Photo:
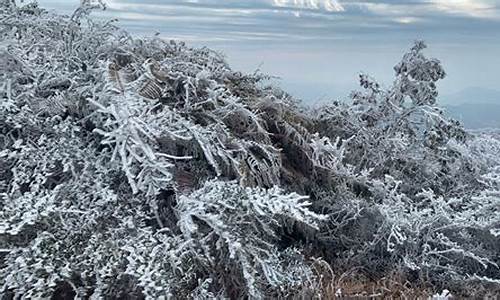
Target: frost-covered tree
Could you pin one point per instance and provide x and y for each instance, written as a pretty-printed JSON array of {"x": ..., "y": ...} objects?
[
  {"x": 424, "y": 198},
  {"x": 400, "y": 131}
]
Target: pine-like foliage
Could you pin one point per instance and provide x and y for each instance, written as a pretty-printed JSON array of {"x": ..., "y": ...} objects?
[{"x": 145, "y": 168}]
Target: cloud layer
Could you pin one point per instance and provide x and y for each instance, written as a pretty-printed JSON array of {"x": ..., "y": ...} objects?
[
  {"x": 312, "y": 20},
  {"x": 314, "y": 43}
]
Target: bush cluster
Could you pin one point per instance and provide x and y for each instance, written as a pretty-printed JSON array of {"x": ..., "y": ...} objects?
[{"x": 143, "y": 168}]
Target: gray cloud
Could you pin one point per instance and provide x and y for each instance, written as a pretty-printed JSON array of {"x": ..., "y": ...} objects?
[
  {"x": 315, "y": 21},
  {"x": 290, "y": 20},
  {"x": 314, "y": 43}
]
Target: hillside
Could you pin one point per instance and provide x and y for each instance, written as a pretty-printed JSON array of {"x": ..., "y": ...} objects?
[
  {"x": 476, "y": 115},
  {"x": 472, "y": 95},
  {"x": 474, "y": 107},
  {"x": 144, "y": 168}
]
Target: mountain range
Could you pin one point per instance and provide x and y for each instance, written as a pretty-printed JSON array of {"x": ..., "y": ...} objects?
[{"x": 474, "y": 107}]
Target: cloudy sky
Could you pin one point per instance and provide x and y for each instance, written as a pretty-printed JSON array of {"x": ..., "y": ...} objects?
[{"x": 317, "y": 47}]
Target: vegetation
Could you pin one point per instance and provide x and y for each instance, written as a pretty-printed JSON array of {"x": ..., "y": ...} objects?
[{"x": 141, "y": 168}]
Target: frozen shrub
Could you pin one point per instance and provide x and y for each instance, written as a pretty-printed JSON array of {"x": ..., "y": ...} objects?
[{"x": 145, "y": 168}]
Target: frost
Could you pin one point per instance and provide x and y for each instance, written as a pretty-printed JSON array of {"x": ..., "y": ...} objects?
[
  {"x": 142, "y": 168},
  {"x": 444, "y": 295}
]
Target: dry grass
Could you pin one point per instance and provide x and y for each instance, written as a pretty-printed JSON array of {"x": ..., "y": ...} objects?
[
  {"x": 355, "y": 285},
  {"x": 390, "y": 287}
]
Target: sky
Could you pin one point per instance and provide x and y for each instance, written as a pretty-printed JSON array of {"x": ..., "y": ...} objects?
[{"x": 317, "y": 48}]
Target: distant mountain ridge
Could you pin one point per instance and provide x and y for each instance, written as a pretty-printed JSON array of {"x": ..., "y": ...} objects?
[
  {"x": 474, "y": 107},
  {"x": 472, "y": 95}
]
